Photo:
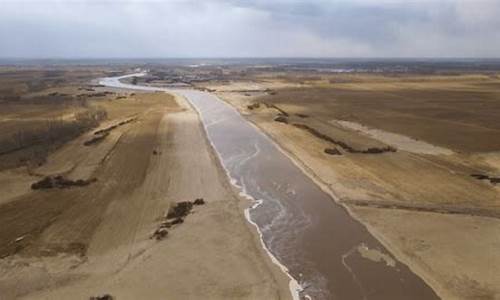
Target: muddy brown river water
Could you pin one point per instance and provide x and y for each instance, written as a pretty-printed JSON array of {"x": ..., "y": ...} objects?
[{"x": 326, "y": 251}]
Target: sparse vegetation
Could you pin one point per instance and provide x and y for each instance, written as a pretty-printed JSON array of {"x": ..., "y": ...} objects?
[
  {"x": 50, "y": 182},
  {"x": 492, "y": 180},
  {"x": 281, "y": 119},
  {"x": 175, "y": 216},
  {"x": 96, "y": 139},
  {"x": 253, "y": 106},
  {"x": 344, "y": 145},
  {"x": 332, "y": 151}
]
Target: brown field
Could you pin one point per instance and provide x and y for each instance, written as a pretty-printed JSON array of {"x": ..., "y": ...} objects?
[
  {"x": 43, "y": 109},
  {"x": 420, "y": 201},
  {"x": 426, "y": 110}
]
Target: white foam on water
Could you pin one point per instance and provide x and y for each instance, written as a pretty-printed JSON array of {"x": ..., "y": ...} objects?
[{"x": 294, "y": 286}]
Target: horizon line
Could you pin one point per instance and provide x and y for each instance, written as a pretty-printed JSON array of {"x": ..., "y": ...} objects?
[{"x": 253, "y": 57}]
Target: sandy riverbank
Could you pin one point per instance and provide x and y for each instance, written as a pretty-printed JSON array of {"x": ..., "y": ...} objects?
[{"x": 96, "y": 239}]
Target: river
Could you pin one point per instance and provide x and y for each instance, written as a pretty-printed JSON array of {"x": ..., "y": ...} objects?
[{"x": 327, "y": 253}]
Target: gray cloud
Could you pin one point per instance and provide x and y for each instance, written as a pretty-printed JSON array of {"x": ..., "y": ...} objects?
[{"x": 233, "y": 28}]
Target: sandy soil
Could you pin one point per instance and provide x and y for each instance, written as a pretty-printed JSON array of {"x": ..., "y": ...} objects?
[
  {"x": 80, "y": 242},
  {"x": 424, "y": 207},
  {"x": 14, "y": 183}
]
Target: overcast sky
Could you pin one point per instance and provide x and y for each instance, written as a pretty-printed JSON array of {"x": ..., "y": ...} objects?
[{"x": 249, "y": 28}]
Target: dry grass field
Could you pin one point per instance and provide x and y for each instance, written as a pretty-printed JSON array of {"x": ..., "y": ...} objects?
[
  {"x": 422, "y": 108},
  {"x": 43, "y": 109}
]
